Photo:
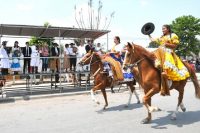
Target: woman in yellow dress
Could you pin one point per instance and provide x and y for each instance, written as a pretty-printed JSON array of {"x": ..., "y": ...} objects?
[{"x": 170, "y": 63}]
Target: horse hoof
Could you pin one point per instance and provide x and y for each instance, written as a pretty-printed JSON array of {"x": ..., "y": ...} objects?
[
  {"x": 145, "y": 121},
  {"x": 106, "y": 105},
  {"x": 138, "y": 102},
  {"x": 183, "y": 109},
  {"x": 159, "y": 109}
]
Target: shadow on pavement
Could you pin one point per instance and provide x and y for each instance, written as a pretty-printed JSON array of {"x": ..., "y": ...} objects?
[
  {"x": 7, "y": 100},
  {"x": 183, "y": 118},
  {"x": 121, "y": 108}
]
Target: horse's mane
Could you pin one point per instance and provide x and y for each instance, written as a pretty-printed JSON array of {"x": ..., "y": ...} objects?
[
  {"x": 149, "y": 55},
  {"x": 97, "y": 56}
]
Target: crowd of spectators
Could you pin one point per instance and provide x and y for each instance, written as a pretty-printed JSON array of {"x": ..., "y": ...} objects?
[{"x": 42, "y": 58}]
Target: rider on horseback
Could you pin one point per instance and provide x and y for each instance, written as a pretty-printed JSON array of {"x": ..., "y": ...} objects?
[
  {"x": 171, "y": 66},
  {"x": 115, "y": 59}
]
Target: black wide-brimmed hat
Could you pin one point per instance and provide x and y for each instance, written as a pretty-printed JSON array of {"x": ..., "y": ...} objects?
[
  {"x": 4, "y": 43},
  {"x": 147, "y": 28}
]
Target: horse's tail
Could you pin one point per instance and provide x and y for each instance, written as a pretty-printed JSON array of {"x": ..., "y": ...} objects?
[{"x": 194, "y": 79}]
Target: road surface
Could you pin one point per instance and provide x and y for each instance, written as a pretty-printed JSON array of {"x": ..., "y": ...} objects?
[{"x": 78, "y": 114}]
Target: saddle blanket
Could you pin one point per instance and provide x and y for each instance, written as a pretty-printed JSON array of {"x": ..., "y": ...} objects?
[{"x": 128, "y": 75}]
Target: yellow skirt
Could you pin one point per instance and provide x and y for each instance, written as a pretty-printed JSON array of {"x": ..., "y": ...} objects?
[
  {"x": 117, "y": 72},
  {"x": 174, "y": 67}
]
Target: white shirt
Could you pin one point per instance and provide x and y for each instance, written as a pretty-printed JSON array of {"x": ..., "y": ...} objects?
[
  {"x": 66, "y": 51},
  {"x": 70, "y": 50},
  {"x": 35, "y": 57},
  {"x": 56, "y": 50},
  {"x": 119, "y": 47},
  {"x": 4, "y": 63},
  {"x": 81, "y": 51}
]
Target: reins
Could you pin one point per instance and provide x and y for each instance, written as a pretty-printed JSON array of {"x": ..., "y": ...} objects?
[{"x": 92, "y": 63}]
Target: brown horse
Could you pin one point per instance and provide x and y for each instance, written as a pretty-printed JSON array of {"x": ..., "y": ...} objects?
[
  {"x": 150, "y": 78},
  {"x": 101, "y": 79}
]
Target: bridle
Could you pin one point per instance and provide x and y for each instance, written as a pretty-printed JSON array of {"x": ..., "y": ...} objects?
[
  {"x": 130, "y": 60},
  {"x": 91, "y": 63},
  {"x": 91, "y": 57}
]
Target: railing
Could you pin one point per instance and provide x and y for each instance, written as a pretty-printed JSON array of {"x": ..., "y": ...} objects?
[{"x": 31, "y": 78}]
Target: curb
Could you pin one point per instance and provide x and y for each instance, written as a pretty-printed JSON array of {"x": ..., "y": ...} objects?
[{"x": 34, "y": 97}]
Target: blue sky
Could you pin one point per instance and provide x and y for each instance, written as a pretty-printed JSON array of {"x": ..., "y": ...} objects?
[{"x": 130, "y": 15}]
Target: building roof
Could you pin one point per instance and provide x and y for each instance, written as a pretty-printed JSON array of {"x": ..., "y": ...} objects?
[{"x": 42, "y": 31}]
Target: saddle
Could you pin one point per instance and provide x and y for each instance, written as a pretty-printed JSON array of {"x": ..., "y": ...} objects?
[{"x": 110, "y": 70}]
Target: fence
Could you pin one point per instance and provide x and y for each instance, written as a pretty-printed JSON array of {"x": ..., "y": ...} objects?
[{"x": 34, "y": 83}]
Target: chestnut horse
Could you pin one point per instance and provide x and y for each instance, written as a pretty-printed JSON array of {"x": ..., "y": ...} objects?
[
  {"x": 101, "y": 79},
  {"x": 150, "y": 78}
]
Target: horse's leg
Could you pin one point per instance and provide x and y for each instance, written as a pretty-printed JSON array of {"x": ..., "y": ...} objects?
[
  {"x": 148, "y": 95},
  {"x": 180, "y": 102},
  {"x": 131, "y": 91},
  {"x": 95, "y": 88},
  {"x": 136, "y": 95},
  {"x": 130, "y": 96},
  {"x": 182, "y": 107},
  {"x": 132, "y": 88},
  {"x": 112, "y": 91},
  {"x": 148, "y": 118},
  {"x": 105, "y": 98},
  {"x": 147, "y": 103},
  {"x": 112, "y": 86}
]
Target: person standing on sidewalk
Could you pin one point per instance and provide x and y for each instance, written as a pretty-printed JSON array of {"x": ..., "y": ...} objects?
[{"x": 26, "y": 51}]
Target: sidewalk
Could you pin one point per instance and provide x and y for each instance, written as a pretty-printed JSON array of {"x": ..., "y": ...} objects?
[{"x": 15, "y": 95}]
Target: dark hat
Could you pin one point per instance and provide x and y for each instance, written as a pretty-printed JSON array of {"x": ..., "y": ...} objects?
[
  {"x": 4, "y": 43},
  {"x": 148, "y": 28},
  {"x": 55, "y": 44}
]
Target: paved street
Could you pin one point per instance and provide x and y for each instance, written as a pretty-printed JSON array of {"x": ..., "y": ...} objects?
[{"x": 78, "y": 114}]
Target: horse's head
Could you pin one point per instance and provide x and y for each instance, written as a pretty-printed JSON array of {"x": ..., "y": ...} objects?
[
  {"x": 89, "y": 58},
  {"x": 130, "y": 56},
  {"x": 135, "y": 54}
]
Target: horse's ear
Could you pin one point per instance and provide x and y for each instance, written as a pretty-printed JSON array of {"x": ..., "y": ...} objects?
[
  {"x": 132, "y": 45},
  {"x": 129, "y": 45}
]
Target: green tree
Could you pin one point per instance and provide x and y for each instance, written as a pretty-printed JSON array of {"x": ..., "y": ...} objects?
[
  {"x": 153, "y": 45},
  {"x": 41, "y": 40},
  {"x": 187, "y": 28}
]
